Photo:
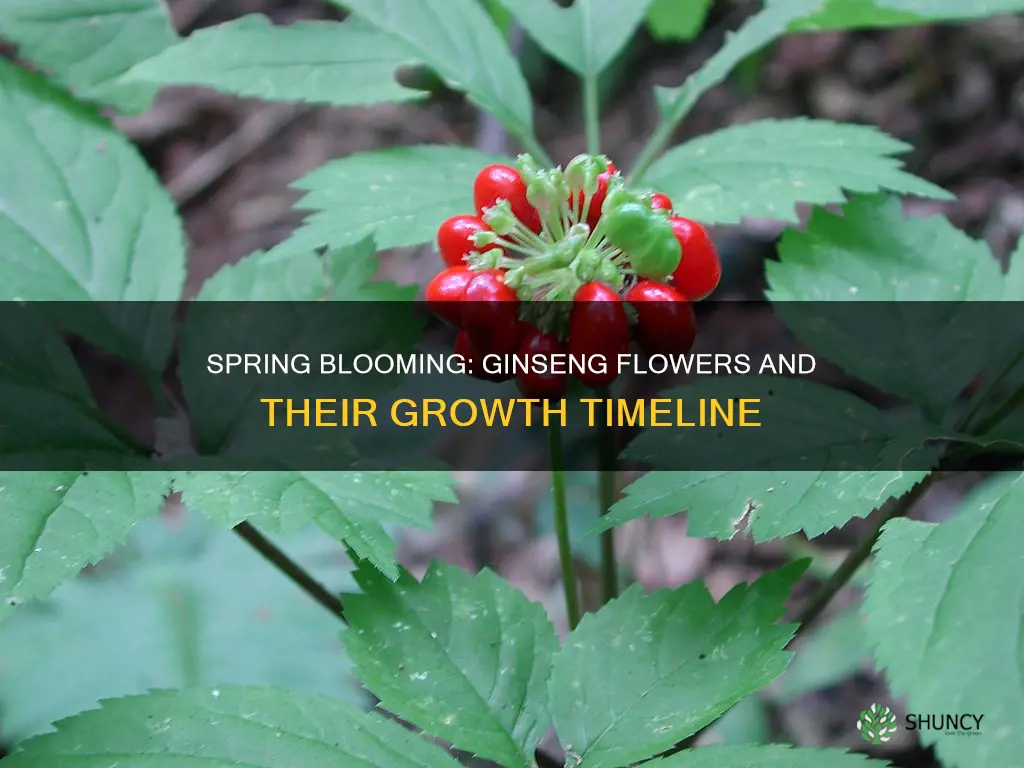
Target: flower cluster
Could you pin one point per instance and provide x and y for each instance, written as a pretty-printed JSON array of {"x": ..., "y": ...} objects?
[{"x": 569, "y": 261}]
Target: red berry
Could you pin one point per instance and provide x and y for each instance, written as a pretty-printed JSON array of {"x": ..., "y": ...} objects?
[
  {"x": 665, "y": 319},
  {"x": 660, "y": 202},
  {"x": 445, "y": 292},
  {"x": 455, "y": 238},
  {"x": 598, "y": 326},
  {"x": 541, "y": 385},
  {"x": 490, "y": 314},
  {"x": 699, "y": 269},
  {"x": 502, "y": 182},
  {"x": 474, "y": 360}
]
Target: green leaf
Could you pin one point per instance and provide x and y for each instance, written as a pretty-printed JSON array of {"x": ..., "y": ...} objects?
[
  {"x": 763, "y": 169},
  {"x": 464, "y": 657},
  {"x": 86, "y": 221},
  {"x": 502, "y": 18},
  {"x": 804, "y": 424},
  {"x": 400, "y": 196},
  {"x": 226, "y": 414},
  {"x": 852, "y": 14},
  {"x": 925, "y": 279},
  {"x": 873, "y": 252},
  {"x": 943, "y": 612},
  {"x": 56, "y": 523},
  {"x": 587, "y": 36},
  {"x": 315, "y": 61},
  {"x": 758, "y": 31},
  {"x": 353, "y": 507},
  {"x": 748, "y": 722},
  {"x": 255, "y": 727},
  {"x": 825, "y": 657},
  {"x": 178, "y": 607},
  {"x": 677, "y": 19},
  {"x": 39, "y": 375},
  {"x": 33, "y": 353},
  {"x": 261, "y": 276},
  {"x": 88, "y": 44},
  {"x": 342, "y": 274},
  {"x": 646, "y": 671},
  {"x": 461, "y": 43},
  {"x": 770, "y": 756},
  {"x": 765, "y": 505}
]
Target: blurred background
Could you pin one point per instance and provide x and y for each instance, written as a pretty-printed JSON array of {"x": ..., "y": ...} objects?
[{"x": 177, "y": 603}]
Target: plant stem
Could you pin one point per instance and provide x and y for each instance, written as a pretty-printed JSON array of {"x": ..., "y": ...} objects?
[
  {"x": 291, "y": 569},
  {"x": 979, "y": 400},
  {"x": 592, "y": 114},
  {"x": 855, "y": 559},
  {"x": 572, "y": 604},
  {"x": 688, "y": 97},
  {"x": 993, "y": 419},
  {"x": 607, "y": 489},
  {"x": 654, "y": 145}
]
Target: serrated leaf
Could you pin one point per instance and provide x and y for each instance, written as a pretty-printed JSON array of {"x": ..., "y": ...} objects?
[
  {"x": 314, "y": 61},
  {"x": 853, "y": 14},
  {"x": 83, "y": 219},
  {"x": 56, "y": 523},
  {"x": 765, "y": 505},
  {"x": 677, "y": 19},
  {"x": 461, "y": 43},
  {"x": 342, "y": 274},
  {"x": 587, "y": 36},
  {"x": 804, "y": 424},
  {"x": 353, "y": 507},
  {"x": 256, "y": 727},
  {"x": 758, "y": 31},
  {"x": 926, "y": 281},
  {"x": 464, "y": 657},
  {"x": 874, "y": 252},
  {"x": 769, "y": 756},
  {"x": 825, "y": 657},
  {"x": 39, "y": 375},
  {"x": 261, "y": 276},
  {"x": 179, "y": 606},
  {"x": 88, "y": 44},
  {"x": 225, "y": 416},
  {"x": 33, "y": 353},
  {"x": 948, "y": 597},
  {"x": 764, "y": 168},
  {"x": 400, "y": 196},
  {"x": 646, "y": 671}
]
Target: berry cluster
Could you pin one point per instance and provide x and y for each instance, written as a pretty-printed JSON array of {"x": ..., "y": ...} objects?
[{"x": 569, "y": 261}]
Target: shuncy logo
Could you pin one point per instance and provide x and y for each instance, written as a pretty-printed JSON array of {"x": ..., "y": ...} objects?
[{"x": 877, "y": 724}]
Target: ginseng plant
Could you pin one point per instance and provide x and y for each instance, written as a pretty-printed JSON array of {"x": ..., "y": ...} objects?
[{"x": 591, "y": 256}]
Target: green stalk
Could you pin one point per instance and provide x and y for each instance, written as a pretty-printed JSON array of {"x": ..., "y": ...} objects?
[
  {"x": 592, "y": 114},
  {"x": 654, "y": 146},
  {"x": 984, "y": 393},
  {"x": 1015, "y": 401},
  {"x": 607, "y": 489},
  {"x": 606, "y": 485},
  {"x": 557, "y": 460},
  {"x": 606, "y": 436}
]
